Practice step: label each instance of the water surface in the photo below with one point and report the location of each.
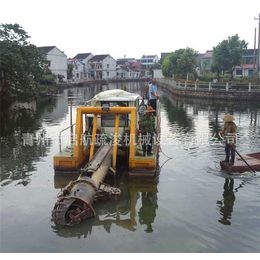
(191, 206)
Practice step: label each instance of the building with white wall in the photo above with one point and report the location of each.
(157, 73)
(147, 62)
(57, 60)
(102, 67)
(125, 72)
(81, 69)
(77, 69)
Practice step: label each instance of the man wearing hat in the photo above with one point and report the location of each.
(147, 125)
(229, 131)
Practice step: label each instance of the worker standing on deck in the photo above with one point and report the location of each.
(147, 126)
(229, 131)
(153, 95)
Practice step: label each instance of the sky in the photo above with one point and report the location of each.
(133, 28)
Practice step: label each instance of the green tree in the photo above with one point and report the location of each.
(179, 63)
(69, 71)
(216, 68)
(228, 54)
(21, 66)
(167, 70)
(187, 63)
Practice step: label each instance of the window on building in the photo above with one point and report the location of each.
(107, 74)
(248, 60)
(250, 72)
(239, 72)
(107, 66)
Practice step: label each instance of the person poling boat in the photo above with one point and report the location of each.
(229, 132)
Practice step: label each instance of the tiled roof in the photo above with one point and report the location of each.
(148, 56)
(98, 57)
(46, 49)
(208, 54)
(135, 64)
(82, 56)
(200, 56)
(245, 66)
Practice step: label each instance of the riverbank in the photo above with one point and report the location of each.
(210, 91)
(98, 81)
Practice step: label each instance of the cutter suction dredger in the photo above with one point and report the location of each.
(109, 130)
(75, 200)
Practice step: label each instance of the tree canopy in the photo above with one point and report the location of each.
(21, 66)
(179, 63)
(228, 54)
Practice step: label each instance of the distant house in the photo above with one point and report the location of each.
(206, 61)
(126, 72)
(164, 55)
(125, 61)
(102, 67)
(147, 61)
(78, 69)
(57, 60)
(136, 65)
(247, 67)
(81, 70)
(128, 68)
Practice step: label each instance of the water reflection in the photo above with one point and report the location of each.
(21, 150)
(138, 199)
(226, 205)
(147, 212)
(177, 113)
(22, 141)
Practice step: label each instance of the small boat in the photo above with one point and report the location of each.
(240, 166)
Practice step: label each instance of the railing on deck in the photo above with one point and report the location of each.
(209, 86)
(71, 137)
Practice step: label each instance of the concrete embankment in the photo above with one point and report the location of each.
(253, 95)
(83, 83)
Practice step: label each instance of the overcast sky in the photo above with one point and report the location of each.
(132, 28)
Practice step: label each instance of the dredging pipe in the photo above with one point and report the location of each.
(75, 200)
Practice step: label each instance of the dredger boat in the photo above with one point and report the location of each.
(106, 127)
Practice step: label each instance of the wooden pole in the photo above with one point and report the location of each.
(71, 126)
(115, 141)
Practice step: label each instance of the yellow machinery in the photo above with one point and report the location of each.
(72, 160)
(75, 200)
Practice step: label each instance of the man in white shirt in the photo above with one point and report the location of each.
(153, 96)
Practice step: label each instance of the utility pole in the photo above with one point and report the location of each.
(254, 53)
(258, 49)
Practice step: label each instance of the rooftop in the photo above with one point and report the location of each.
(99, 57)
(82, 56)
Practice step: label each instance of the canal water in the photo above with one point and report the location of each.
(190, 206)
